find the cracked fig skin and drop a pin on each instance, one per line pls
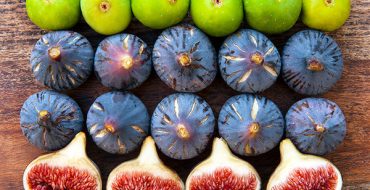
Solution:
(185, 59)
(305, 172)
(311, 63)
(249, 61)
(315, 125)
(62, 60)
(122, 61)
(118, 122)
(251, 125)
(147, 171)
(182, 125)
(50, 120)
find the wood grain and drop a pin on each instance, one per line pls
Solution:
(352, 93)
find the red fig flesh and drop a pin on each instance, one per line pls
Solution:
(303, 172)
(68, 168)
(145, 172)
(222, 170)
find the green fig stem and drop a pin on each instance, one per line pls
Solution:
(288, 150)
(77, 147)
(104, 6)
(148, 154)
(220, 149)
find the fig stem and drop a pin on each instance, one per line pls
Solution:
(109, 127)
(127, 62)
(184, 59)
(54, 53)
(288, 151)
(257, 58)
(182, 131)
(319, 128)
(44, 118)
(315, 65)
(220, 149)
(148, 154)
(254, 128)
(77, 147)
(104, 6)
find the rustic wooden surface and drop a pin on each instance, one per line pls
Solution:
(352, 93)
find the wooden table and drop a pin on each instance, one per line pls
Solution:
(352, 93)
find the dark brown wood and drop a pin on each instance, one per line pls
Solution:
(352, 93)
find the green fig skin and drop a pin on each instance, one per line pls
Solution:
(107, 17)
(160, 14)
(272, 16)
(217, 17)
(325, 15)
(54, 14)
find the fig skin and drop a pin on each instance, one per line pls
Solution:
(315, 125)
(123, 62)
(221, 158)
(107, 17)
(185, 59)
(50, 120)
(182, 125)
(317, 172)
(217, 18)
(325, 15)
(149, 165)
(118, 122)
(160, 14)
(251, 125)
(249, 61)
(72, 157)
(62, 60)
(271, 16)
(54, 15)
(312, 62)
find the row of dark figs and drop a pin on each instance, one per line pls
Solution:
(185, 59)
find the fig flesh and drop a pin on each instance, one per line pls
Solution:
(68, 168)
(304, 172)
(145, 172)
(222, 170)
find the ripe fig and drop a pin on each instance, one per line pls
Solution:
(249, 61)
(251, 125)
(50, 120)
(68, 168)
(118, 122)
(122, 61)
(62, 60)
(304, 172)
(145, 172)
(311, 63)
(315, 125)
(326, 15)
(107, 17)
(160, 14)
(222, 170)
(217, 17)
(54, 15)
(185, 59)
(182, 125)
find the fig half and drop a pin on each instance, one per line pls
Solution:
(145, 172)
(68, 168)
(305, 172)
(222, 170)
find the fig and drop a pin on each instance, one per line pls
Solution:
(160, 14)
(107, 17)
(217, 17)
(251, 125)
(326, 15)
(62, 60)
(222, 170)
(185, 59)
(301, 171)
(271, 16)
(118, 122)
(122, 61)
(50, 120)
(54, 15)
(182, 125)
(249, 61)
(68, 168)
(311, 63)
(315, 125)
(145, 172)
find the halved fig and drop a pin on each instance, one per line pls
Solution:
(302, 171)
(145, 172)
(222, 170)
(68, 168)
